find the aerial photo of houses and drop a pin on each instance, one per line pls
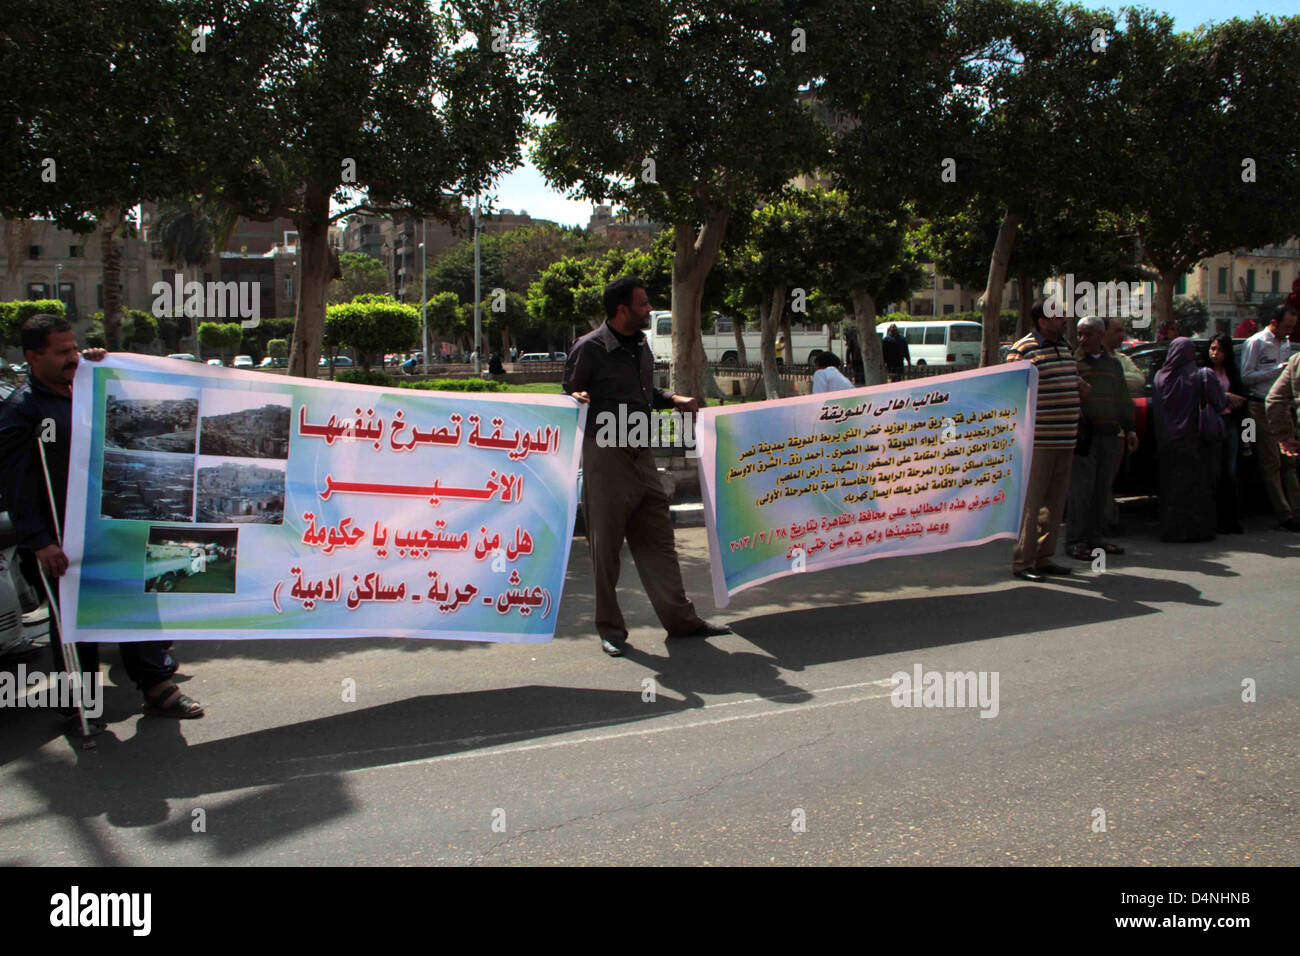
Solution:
(163, 421)
(148, 486)
(245, 424)
(234, 492)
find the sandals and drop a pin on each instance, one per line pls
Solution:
(172, 703)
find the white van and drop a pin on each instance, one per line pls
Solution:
(939, 342)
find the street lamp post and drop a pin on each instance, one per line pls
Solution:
(478, 319)
(424, 294)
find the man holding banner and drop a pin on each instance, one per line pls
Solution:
(36, 424)
(612, 369)
(1055, 423)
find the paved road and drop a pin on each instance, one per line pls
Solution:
(1118, 691)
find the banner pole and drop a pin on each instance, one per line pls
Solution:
(71, 659)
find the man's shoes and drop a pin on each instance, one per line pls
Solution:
(612, 649)
(1079, 552)
(706, 630)
(1290, 524)
(1050, 568)
(1028, 574)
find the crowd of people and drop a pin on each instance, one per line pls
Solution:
(1207, 413)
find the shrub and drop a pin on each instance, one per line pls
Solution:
(360, 377)
(455, 385)
(14, 314)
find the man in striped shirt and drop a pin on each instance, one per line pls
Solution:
(1056, 420)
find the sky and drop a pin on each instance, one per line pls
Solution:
(524, 189)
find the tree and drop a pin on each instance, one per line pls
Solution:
(138, 329)
(723, 128)
(1238, 182)
(1037, 87)
(278, 348)
(84, 160)
(571, 291)
(372, 328)
(361, 274)
(222, 336)
(297, 103)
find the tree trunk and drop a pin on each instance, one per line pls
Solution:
(993, 291)
(111, 255)
(1163, 306)
(694, 257)
(317, 267)
(738, 326)
(505, 343)
(788, 352)
(767, 339)
(864, 320)
(1025, 322)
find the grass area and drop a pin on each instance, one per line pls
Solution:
(538, 388)
(219, 578)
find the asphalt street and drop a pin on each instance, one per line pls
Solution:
(1120, 736)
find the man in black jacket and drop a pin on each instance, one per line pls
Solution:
(612, 370)
(41, 411)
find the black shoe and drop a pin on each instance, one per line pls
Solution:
(1290, 524)
(1050, 568)
(706, 630)
(612, 649)
(1028, 574)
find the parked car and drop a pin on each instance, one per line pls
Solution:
(216, 362)
(529, 357)
(341, 361)
(269, 362)
(560, 356)
(243, 361)
(183, 356)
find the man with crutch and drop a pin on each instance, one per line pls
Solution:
(35, 433)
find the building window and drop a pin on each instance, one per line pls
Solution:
(947, 283)
(99, 296)
(1223, 280)
(948, 309)
(1181, 287)
(33, 252)
(1250, 281)
(37, 290)
(1277, 277)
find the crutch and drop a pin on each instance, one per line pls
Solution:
(71, 660)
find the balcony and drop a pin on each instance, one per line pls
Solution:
(1270, 252)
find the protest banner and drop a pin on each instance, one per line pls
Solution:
(215, 503)
(820, 481)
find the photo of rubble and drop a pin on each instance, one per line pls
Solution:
(245, 424)
(147, 417)
(190, 560)
(240, 492)
(147, 486)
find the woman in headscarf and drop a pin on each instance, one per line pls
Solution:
(1221, 361)
(1188, 457)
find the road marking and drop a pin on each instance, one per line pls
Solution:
(600, 738)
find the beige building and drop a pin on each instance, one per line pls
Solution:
(1234, 284)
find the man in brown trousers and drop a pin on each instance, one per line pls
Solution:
(612, 369)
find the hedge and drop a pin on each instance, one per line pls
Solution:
(455, 385)
(14, 314)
